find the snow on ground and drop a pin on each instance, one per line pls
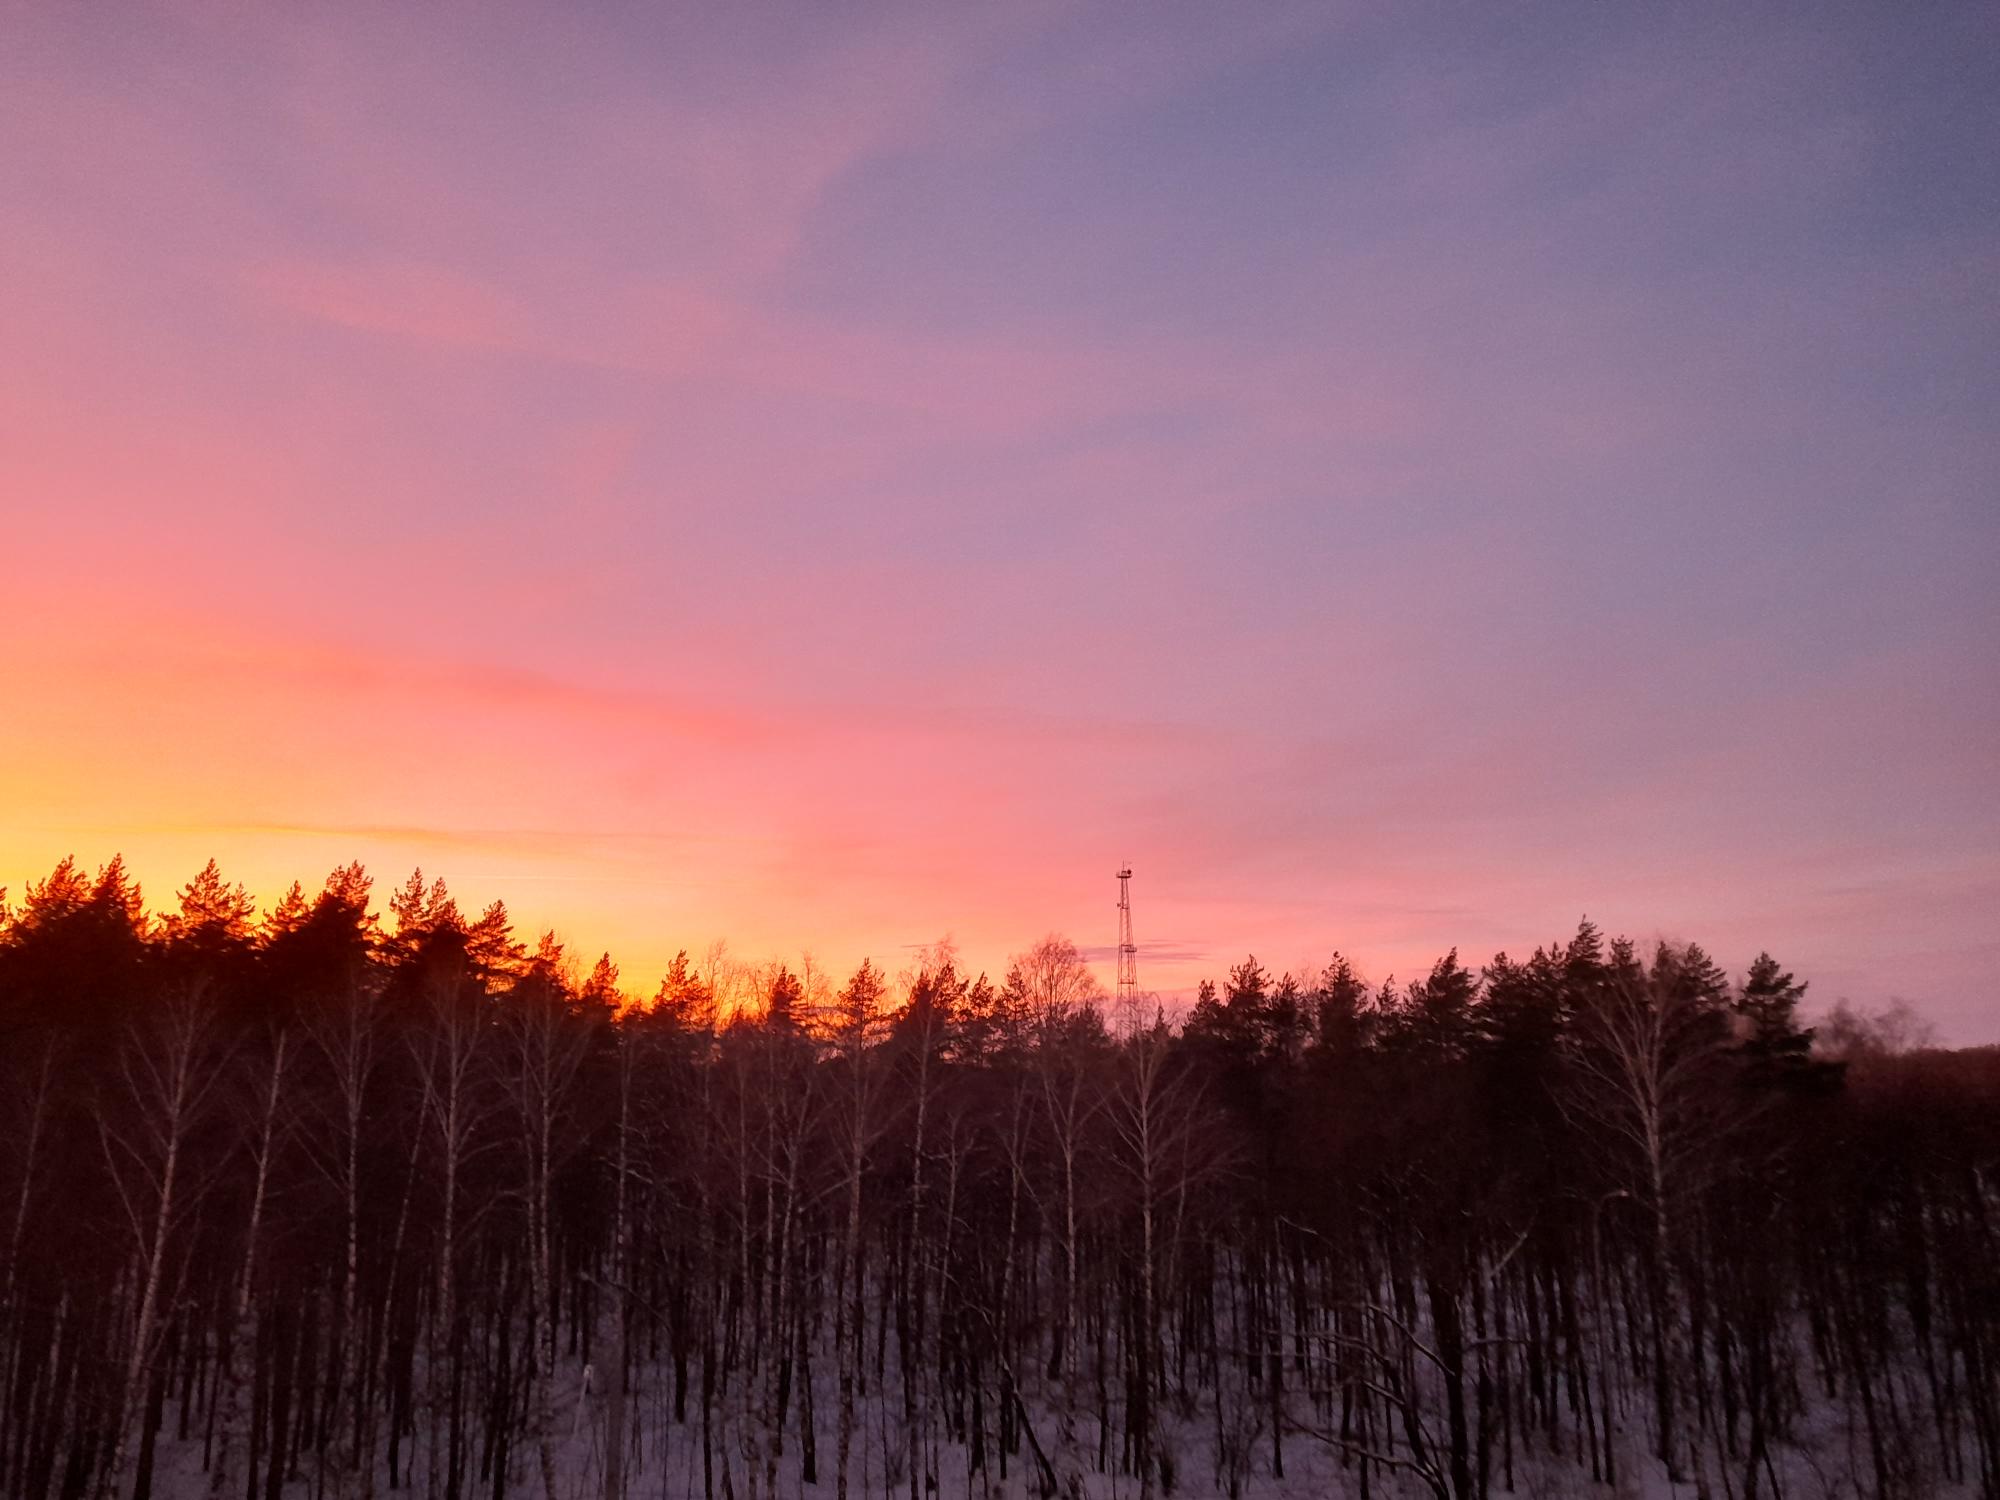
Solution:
(665, 1460)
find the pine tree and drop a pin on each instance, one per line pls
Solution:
(1340, 1006)
(1440, 1007)
(599, 995)
(782, 1005)
(48, 901)
(212, 913)
(1775, 1048)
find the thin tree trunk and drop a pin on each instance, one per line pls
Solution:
(243, 1325)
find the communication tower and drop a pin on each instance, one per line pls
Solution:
(1128, 951)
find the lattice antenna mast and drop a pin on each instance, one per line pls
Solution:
(1128, 951)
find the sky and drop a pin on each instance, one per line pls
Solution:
(828, 478)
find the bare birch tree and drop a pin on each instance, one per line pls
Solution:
(1645, 1076)
(168, 1070)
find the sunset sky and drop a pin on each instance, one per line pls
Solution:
(831, 477)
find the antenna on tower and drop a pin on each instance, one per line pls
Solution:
(1128, 951)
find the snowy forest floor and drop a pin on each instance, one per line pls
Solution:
(1203, 1454)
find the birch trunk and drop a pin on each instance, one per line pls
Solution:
(163, 1078)
(614, 1386)
(244, 1324)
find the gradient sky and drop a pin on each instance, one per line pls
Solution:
(836, 476)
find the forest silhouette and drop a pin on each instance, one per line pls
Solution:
(329, 1202)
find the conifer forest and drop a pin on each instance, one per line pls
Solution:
(339, 1202)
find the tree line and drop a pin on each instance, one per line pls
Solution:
(332, 1202)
